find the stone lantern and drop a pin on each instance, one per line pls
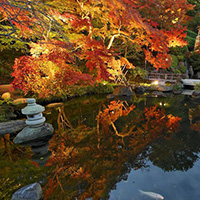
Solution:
(33, 113)
(37, 133)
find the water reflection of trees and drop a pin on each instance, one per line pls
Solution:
(172, 155)
(181, 151)
(88, 162)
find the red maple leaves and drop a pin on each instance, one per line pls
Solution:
(90, 30)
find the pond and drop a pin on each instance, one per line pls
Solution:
(113, 149)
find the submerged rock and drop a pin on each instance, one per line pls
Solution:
(110, 96)
(140, 90)
(177, 91)
(158, 94)
(29, 192)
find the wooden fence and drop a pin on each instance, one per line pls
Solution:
(165, 76)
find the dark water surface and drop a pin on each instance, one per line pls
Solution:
(144, 148)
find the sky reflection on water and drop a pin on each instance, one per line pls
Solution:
(176, 185)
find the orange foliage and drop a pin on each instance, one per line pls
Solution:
(47, 73)
(91, 28)
(173, 123)
(196, 126)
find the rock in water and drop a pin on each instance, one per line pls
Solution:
(158, 94)
(140, 90)
(29, 192)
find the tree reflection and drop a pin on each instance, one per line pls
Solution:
(194, 116)
(88, 162)
(174, 154)
(180, 152)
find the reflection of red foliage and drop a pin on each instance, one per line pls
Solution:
(114, 110)
(173, 123)
(196, 126)
(35, 164)
(110, 114)
(76, 157)
(157, 119)
(50, 187)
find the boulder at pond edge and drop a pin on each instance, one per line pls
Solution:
(29, 192)
(123, 91)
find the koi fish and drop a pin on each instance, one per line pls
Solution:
(152, 194)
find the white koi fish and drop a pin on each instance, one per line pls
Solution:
(152, 194)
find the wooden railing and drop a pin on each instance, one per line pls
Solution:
(165, 76)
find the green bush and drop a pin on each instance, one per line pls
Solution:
(137, 71)
(177, 66)
(177, 87)
(180, 58)
(197, 87)
(100, 88)
(78, 91)
(178, 51)
(174, 64)
(194, 60)
(97, 88)
(182, 68)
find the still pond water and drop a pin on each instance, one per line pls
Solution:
(115, 149)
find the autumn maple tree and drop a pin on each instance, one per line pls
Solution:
(92, 33)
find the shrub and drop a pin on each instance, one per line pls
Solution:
(137, 71)
(101, 88)
(197, 87)
(174, 64)
(177, 87)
